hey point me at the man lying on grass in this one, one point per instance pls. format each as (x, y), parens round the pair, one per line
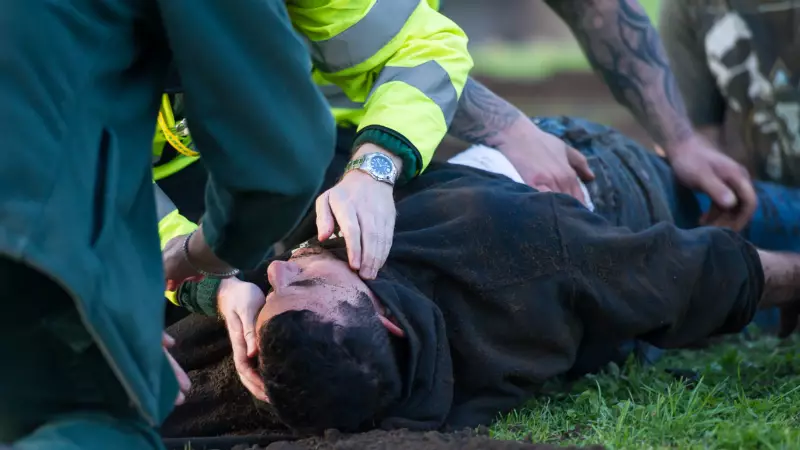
(491, 288)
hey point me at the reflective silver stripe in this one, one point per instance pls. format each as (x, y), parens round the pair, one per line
(164, 205)
(430, 78)
(364, 38)
(337, 98)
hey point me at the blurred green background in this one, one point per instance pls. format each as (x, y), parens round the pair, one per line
(537, 58)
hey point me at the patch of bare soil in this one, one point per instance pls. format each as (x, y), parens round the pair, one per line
(372, 440)
(409, 440)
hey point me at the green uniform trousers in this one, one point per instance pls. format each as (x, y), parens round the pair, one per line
(56, 389)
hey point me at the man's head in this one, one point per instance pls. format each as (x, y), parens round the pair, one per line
(325, 353)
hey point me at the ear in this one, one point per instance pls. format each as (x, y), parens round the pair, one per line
(391, 326)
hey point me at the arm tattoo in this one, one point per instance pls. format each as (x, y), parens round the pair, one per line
(626, 51)
(482, 115)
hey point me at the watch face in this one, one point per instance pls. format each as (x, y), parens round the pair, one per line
(381, 166)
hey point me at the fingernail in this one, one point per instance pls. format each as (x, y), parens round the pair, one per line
(181, 399)
(729, 199)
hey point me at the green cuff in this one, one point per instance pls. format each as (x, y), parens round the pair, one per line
(200, 296)
(391, 141)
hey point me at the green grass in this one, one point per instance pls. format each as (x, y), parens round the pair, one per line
(747, 397)
(537, 60)
(529, 61)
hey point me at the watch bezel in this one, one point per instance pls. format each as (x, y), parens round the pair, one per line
(366, 166)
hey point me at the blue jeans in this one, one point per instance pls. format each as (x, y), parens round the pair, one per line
(636, 188)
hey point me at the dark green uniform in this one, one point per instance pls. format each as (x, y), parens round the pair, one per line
(80, 83)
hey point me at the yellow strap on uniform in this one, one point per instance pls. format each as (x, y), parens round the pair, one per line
(172, 296)
(171, 167)
(167, 124)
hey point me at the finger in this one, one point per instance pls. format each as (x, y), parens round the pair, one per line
(250, 341)
(249, 377)
(248, 319)
(325, 220)
(580, 164)
(371, 245)
(167, 340)
(184, 384)
(573, 188)
(566, 182)
(175, 283)
(712, 216)
(748, 201)
(247, 373)
(348, 223)
(238, 343)
(387, 242)
(383, 245)
(253, 383)
(541, 187)
(719, 192)
(717, 217)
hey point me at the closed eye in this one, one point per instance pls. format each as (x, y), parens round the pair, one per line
(305, 283)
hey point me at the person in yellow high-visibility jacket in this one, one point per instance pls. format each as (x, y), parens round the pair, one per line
(393, 72)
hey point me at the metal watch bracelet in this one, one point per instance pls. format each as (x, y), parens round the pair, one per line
(202, 272)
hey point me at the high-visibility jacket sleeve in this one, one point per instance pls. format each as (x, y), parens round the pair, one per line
(406, 61)
(170, 224)
(170, 221)
(264, 129)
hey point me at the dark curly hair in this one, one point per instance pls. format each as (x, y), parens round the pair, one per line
(320, 375)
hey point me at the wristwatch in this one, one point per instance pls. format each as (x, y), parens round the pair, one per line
(377, 165)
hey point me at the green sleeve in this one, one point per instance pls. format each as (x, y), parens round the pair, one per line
(391, 141)
(264, 130)
(685, 48)
(200, 296)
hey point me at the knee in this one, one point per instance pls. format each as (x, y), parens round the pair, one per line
(92, 431)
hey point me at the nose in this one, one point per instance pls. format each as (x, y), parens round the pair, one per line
(281, 273)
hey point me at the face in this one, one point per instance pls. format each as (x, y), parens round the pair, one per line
(315, 280)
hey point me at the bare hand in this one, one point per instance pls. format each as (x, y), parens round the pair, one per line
(364, 209)
(177, 269)
(545, 162)
(700, 166)
(184, 384)
(240, 303)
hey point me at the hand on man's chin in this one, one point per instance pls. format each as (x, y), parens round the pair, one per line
(239, 303)
(364, 210)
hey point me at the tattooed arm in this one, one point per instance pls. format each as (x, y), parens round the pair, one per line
(626, 51)
(483, 117)
(624, 48)
(542, 160)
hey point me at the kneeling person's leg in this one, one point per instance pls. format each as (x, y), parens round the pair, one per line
(91, 432)
(56, 388)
